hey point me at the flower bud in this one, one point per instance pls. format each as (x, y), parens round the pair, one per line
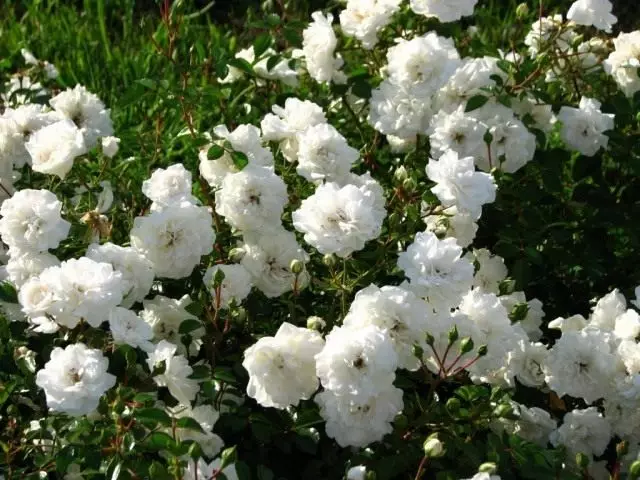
(316, 323)
(401, 174)
(634, 470)
(522, 10)
(296, 266)
(482, 351)
(582, 460)
(453, 335)
(466, 345)
(417, 351)
(433, 448)
(429, 339)
(218, 278)
(488, 467)
(409, 184)
(453, 405)
(236, 254)
(503, 410)
(329, 260)
(240, 314)
(575, 43)
(507, 286)
(357, 473)
(519, 312)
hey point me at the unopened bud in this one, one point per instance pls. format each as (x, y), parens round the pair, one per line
(453, 335)
(409, 184)
(401, 174)
(218, 278)
(429, 339)
(519, 312)
(507, 287)
(503, 410)
(488, 137)
(240, 314)
(453, 405)
(582, 460)
(488, 467)
(575, 43)
(466, 345)
(329, 260)
(634, 470)
(296, 266)
(316, 323)
(236, 254)
(433, 448)
(417, 351)
(482, 350)
(522, 11)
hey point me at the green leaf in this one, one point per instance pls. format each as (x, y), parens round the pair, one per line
(159, 441)
(241, 64)
(152, 416)
(215, 152)
(8, 293)
(265, 473)
(224, 375)
(272, 62)
(361, 89)
(190, 424)
(240, 160)
(261, 44)
(200, 372)
(147, 82)
(189, 326)
(476, 102)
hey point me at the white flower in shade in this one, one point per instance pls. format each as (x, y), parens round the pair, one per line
(512, 145)
(244, 139)
(137, 271)
(356, 421)
(541, 114)
(491, 270)
(36, 297)
(280, 71)
(452, 224)
(636, 302)
(357, 361)
(324, 154)
(319, 42)
(206, 416)
(165, 315)
(436, 270)
(583, 128)
(531, 374)
(363, 19)
(268, 260)
(169, 187)
(607, 310)
(54, 148)
(624, 61)
(423, 64)
(339, 220)
(396, 111)
(401, 144)
(368, 185)
(234, 74)
(357, 473)
(175, 372)
(174, 239)
(110, 146)
(282, 368)
(12, 148)
(581, 364)
(398, 312)
(235, 285)
(86, 110)
(203, 470)
(595, 13)
(252, 199)
(31, 221)
(24, 265)
(128, 328)
(444, 10)
(74, 379)
(458, 184)
(83, 289)
(15, 87)
(286, 123)
(583, 431)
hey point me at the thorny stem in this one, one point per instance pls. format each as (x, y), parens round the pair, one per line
(421, 467)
